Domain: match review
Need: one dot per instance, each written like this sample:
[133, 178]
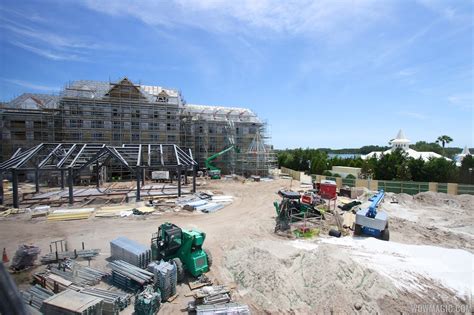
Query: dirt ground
[279, 275]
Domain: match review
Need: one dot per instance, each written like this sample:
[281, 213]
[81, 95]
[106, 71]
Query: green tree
[444, 139]
[440, 170]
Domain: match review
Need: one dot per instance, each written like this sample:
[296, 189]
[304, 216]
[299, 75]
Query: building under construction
[117, 113]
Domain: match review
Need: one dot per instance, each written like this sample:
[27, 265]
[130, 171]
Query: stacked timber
[70, 214]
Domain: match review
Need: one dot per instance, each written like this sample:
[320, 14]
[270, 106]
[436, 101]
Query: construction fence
[407, 187]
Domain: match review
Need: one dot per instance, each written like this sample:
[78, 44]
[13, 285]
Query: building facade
[123, 112]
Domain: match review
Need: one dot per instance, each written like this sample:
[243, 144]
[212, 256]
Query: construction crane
[213, 171]
[372, 222]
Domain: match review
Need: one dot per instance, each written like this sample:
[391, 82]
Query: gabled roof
[220, 113]
[99, 89]
[34, 101]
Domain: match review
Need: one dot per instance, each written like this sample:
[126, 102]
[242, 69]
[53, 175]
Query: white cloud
[301, 17]
[31, 86]
[48, 53]
[414, 115]
[462, 100]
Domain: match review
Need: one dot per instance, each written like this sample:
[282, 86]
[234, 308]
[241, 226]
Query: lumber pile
[70, 214]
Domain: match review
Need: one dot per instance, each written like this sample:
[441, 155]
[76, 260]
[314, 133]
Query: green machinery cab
[184, 247]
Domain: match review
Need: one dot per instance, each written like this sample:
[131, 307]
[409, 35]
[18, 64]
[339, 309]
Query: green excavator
[184, 247]
[213, 171]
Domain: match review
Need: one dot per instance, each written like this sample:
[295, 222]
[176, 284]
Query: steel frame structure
[74, 158]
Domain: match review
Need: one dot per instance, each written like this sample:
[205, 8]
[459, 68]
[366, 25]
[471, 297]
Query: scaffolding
[123, 112]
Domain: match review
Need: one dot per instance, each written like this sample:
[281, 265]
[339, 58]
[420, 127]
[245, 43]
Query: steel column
[186, 176]
[37, 187]
[178, 170]
[194, 178]
[1, 189]
[62, 179]
[70, 180]
[138, 183]
[143, 176]
[15, 188]
[97, 173]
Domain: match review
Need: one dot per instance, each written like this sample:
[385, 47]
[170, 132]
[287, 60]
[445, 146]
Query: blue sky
[323, 73]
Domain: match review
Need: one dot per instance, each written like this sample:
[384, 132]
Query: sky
[326, 73]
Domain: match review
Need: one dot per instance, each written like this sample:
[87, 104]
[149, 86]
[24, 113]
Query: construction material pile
[69, 273]
[35, 296]
[130, 251]
[70, 214]
[114, 301]
[129, 277]
[57, 256]
[70, 302]
[166, 278]
[147, 302]
[215, 300]
[25, 257]
[205, 202]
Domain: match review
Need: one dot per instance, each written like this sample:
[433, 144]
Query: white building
[401, 142]
[461, 156]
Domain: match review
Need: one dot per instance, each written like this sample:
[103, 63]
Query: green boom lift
[184, 247]
[215, 172]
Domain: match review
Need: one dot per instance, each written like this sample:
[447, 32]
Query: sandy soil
[275, 274]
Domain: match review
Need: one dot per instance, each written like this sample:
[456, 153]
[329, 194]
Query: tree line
[394, 166]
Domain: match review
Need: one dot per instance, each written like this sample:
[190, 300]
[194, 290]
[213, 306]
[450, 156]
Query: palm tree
[444, 139]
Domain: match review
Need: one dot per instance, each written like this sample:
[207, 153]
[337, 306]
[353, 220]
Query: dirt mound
[305, 281]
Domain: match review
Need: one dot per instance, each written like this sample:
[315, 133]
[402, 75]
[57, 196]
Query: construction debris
[130, 251]
[25, 257]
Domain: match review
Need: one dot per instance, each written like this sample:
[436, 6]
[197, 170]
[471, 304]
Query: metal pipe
[70, 180]
[15, 188]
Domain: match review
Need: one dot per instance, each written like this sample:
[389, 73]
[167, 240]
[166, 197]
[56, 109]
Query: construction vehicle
[372, 222]
[293, 208]
[213, 171]
[184, 247]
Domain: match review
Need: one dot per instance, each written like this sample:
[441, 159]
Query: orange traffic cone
[4, 256]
